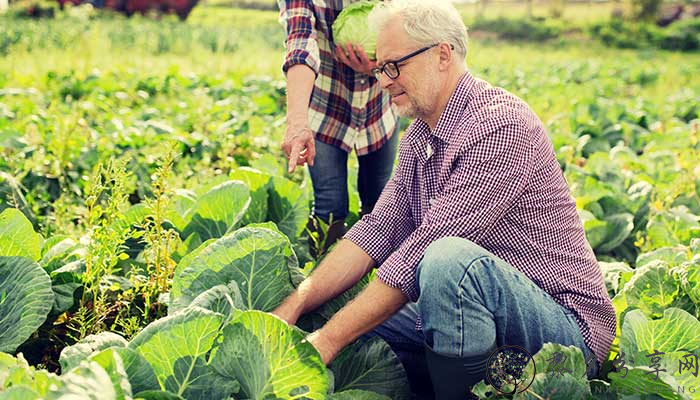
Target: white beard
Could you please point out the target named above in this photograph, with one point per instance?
(406, 110)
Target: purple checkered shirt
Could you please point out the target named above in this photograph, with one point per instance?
(488, 173)
(347, 109)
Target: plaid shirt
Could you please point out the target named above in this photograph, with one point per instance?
(347, 109)
(488, 173)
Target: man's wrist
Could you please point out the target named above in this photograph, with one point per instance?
(291, 309)
(325, 344)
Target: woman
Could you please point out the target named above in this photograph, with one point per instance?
(334, 105)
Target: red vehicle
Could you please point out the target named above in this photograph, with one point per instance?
(180, 7)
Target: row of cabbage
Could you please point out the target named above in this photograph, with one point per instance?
(217, 340)
(231, 263)
(634, 175)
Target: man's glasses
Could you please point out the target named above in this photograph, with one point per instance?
(391, 68)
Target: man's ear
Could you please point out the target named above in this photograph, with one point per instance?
(446, 54)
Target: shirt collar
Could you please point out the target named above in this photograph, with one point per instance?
(419, 132)
(450, 117)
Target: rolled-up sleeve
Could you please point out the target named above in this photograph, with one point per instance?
(387, 226)
(297, 18)
(485, 183)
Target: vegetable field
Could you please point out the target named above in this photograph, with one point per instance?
(147, 223)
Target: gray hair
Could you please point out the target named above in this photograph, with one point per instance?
(426, 22)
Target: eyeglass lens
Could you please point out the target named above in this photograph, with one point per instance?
(391, 69)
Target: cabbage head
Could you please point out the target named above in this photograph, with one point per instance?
(351, 27)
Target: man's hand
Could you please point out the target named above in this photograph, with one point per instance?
(299, 146)
(324, 347)
(355, 58)
(374, 305)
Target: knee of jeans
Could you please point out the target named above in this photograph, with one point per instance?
(329, 183)
(333, 202)
(443, 262)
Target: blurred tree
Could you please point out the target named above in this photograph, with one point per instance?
(645, 10)
(556, 8)
(482, 7)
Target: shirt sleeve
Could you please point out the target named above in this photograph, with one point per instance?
(298, 19)
(486, 181)
(387, 226)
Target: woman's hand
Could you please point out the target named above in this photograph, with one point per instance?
(299, 146)
(354, 57)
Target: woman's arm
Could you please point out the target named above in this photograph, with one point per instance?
(298, 143)
(301, 67)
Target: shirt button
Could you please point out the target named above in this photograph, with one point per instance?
(363, 81)
(428, 150)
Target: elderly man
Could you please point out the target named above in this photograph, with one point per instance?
(476, 236)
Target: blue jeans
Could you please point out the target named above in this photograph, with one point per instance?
(471, 302)
(329, 177)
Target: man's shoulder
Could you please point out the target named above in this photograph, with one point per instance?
(490, 109)
(493, 102)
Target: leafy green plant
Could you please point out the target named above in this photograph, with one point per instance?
(318, 236)
(106, 200)
(160, 241)
(217, 211)
(288, 206)
(25, 300)
(680, 36)
(519, 28)
(252, 355)
(258, 259)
